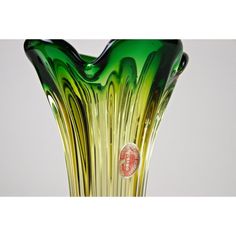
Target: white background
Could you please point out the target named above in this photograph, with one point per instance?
(123, 19)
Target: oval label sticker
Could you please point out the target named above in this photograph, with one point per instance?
(129, 160)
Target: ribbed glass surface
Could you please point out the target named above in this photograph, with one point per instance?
(108, 104)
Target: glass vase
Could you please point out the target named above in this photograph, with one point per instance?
(108, 109)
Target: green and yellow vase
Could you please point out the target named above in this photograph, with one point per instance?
(108, 109)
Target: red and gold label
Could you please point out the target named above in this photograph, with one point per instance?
(129, 159)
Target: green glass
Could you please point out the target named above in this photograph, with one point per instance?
(108, 104)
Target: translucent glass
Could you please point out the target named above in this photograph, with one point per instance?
(108, 108)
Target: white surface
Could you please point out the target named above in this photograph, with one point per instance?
(121, 216)
(195, 151)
